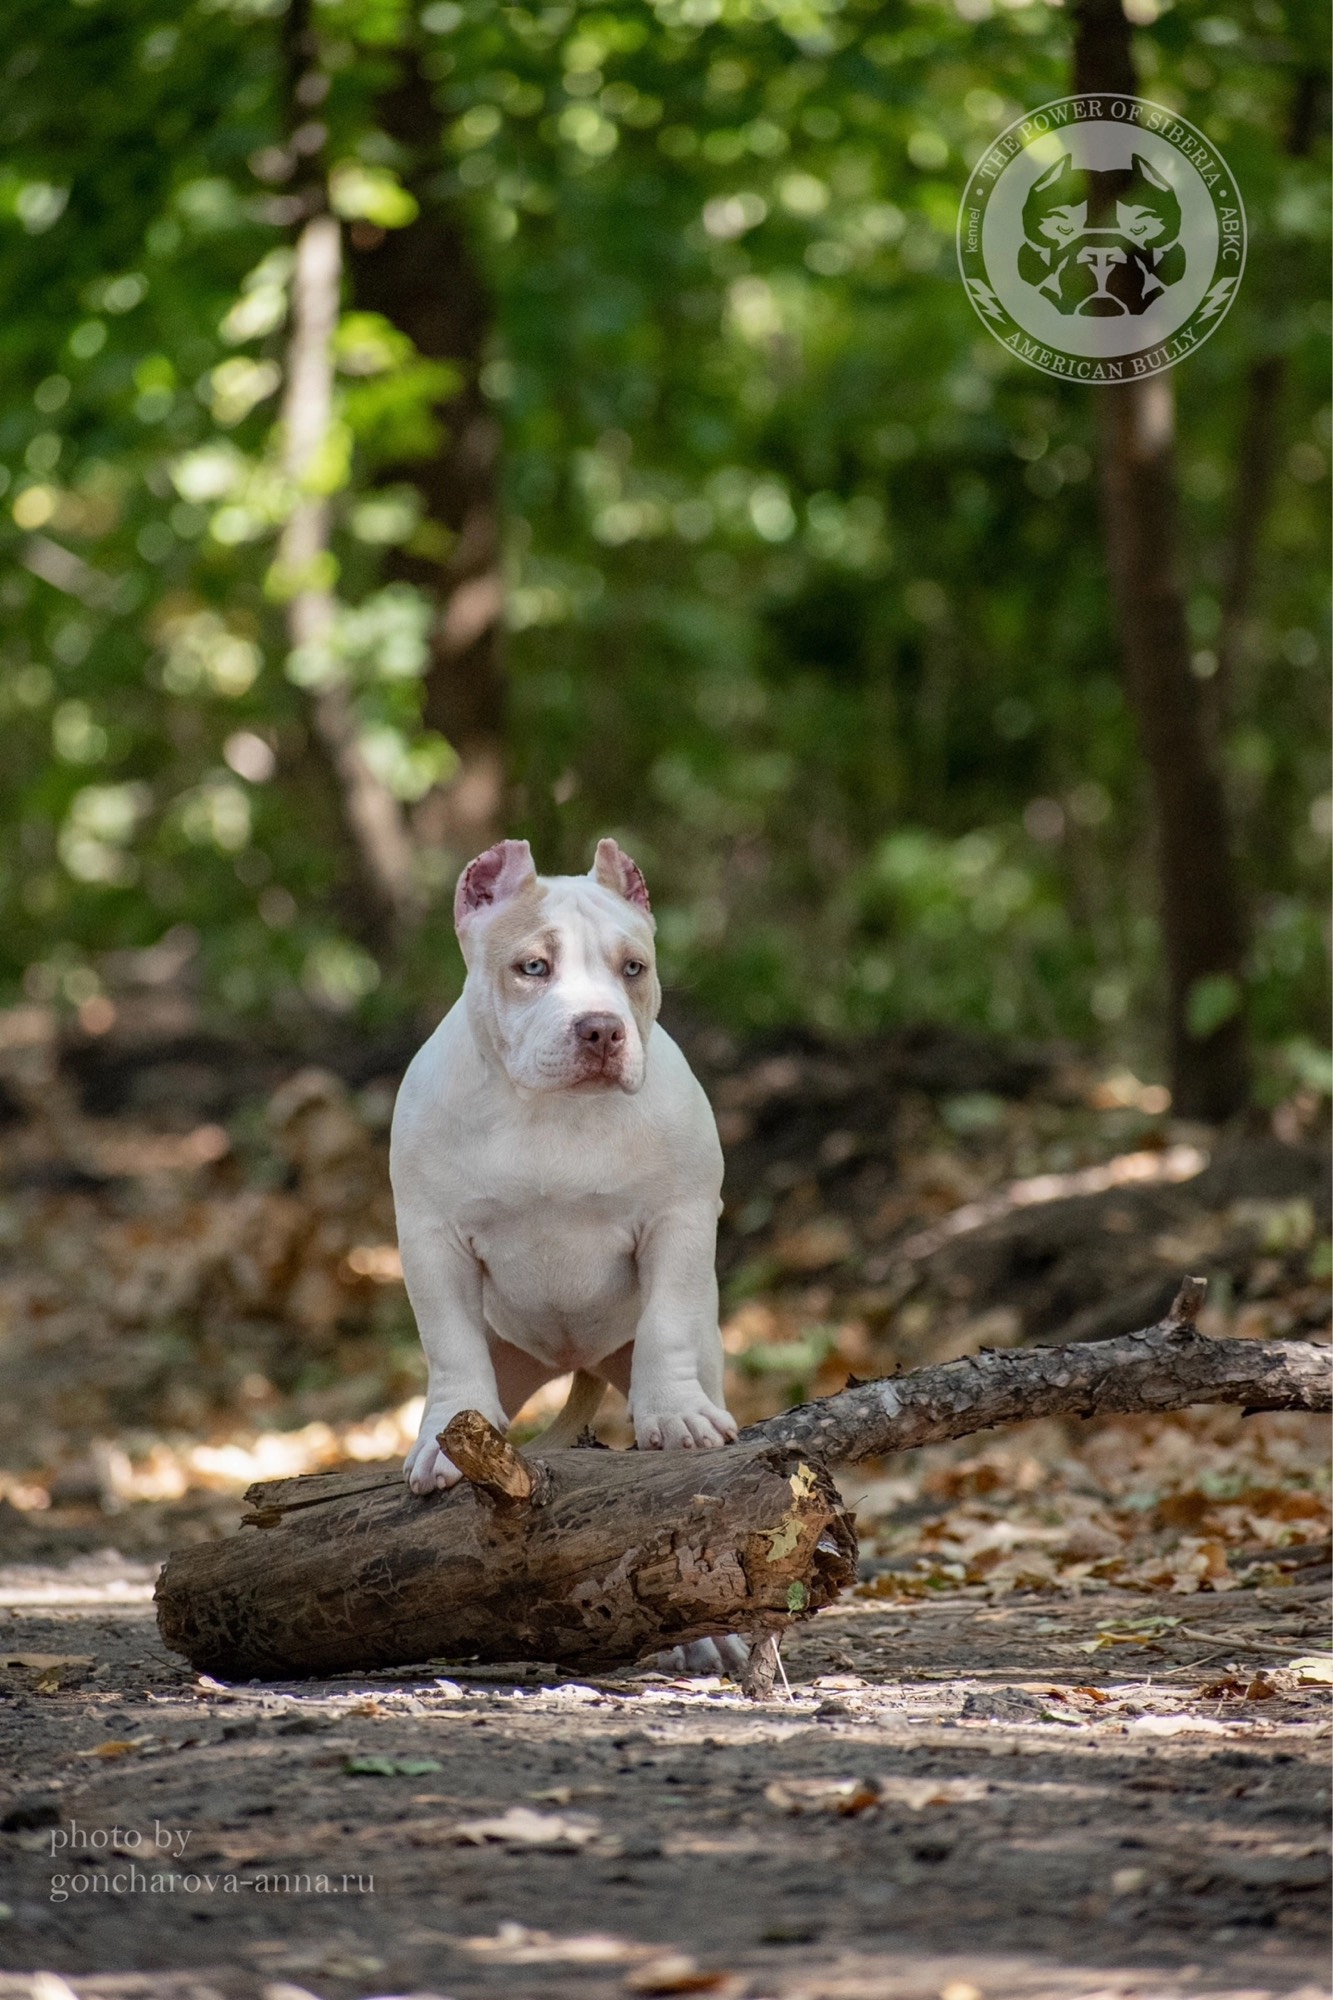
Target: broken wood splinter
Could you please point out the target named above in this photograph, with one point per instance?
(486, 1459)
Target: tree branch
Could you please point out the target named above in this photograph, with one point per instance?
(1165, 1367)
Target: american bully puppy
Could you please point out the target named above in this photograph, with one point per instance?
(557, 1172)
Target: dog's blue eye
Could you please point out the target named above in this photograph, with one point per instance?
(535, 968)
(633, 967)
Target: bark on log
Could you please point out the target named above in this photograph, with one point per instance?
(615, 1556)
(596, 1558)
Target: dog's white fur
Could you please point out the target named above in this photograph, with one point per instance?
(556, 1168)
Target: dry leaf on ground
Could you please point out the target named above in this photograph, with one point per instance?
(676, 1972)
(843, 1796)
(45, 1663)
(918, 1793)
(521, 1827)
(516, 1944)
(390, 1767)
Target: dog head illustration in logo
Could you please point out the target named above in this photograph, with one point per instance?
(1101, 244)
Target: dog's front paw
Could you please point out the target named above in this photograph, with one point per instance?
(427, 1468)
(686, 1423)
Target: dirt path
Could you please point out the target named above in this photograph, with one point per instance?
(955, 1813)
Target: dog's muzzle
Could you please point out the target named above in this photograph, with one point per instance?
(600, 1044)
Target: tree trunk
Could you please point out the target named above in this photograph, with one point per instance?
(1260, 441)
(425, 279)
(1256, 463)
(595, 1558)
(1203, 926)
(372, 814)
(374, 817)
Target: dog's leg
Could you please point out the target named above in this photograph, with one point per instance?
(676, 1373)
(517, 1375)
(581, 1406)
(444, 1285)
(683, 1287)
(520, 1375)
(615, 1368)
(725, 1653)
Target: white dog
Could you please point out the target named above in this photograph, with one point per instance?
(557, 1172)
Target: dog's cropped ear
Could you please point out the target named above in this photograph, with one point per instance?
(495, 877)
(1055, 172)
(1150, 173)
(614, 870)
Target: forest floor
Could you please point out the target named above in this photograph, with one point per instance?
(1067, 1736)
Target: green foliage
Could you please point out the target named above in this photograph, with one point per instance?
(807, 597)
(1211, 1002)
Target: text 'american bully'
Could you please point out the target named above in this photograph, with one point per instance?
(557, 1172)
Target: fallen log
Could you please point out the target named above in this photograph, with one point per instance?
(593, 1559)
(605, 1557)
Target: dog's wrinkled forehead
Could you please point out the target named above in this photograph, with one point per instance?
(502, 903)
(575, 904)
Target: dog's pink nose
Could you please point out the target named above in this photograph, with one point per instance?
(600, 1031)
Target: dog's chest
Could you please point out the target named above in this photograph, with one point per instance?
(555, 1261)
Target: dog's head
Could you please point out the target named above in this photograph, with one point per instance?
(562, 983)
(1096, 242)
